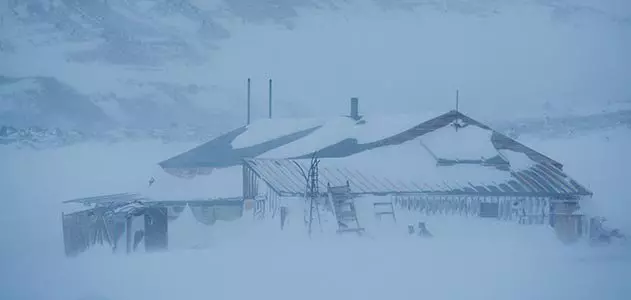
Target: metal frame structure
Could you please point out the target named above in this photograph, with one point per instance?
(531, 196)
(530, 210)
(107, 218)
(283, 176)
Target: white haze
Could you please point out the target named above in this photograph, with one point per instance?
(506, 65)
(469, 258)
(509, 59)
(518, 59)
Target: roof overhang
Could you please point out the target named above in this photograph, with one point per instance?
(287, 179)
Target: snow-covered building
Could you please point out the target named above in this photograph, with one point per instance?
(451, 153)
(418, 160)
(449, 157)
(445, 163)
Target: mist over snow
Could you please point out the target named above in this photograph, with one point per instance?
(553, 72)
(601, 160)
(156, 63)
(467, 258)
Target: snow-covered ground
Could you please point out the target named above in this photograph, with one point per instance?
(468, 258)
(150, 64)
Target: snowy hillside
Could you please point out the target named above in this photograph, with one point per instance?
(45, 102)
(155, 63)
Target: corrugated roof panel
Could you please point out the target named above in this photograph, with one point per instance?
(526, 182)
(481, 189)
(541, 181)
(578, 186)
(559, 181)
(328, 177)
(517, 187)
(359, 181)
(493, 188)
(506, 188)
(470, 190)
(292, 178)
(285, 177)
(278, 183)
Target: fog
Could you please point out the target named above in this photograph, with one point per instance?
(467, 258)
(508, 60)
(519, 60)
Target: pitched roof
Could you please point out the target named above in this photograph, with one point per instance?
(343, 137)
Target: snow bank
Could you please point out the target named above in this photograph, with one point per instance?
(187, 233)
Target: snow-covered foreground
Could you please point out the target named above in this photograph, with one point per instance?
(468, 258)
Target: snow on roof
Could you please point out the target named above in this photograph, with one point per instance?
(268, 129)
(517, 160)
(222, 184)
(375, 128)
(468, 143)
(331, 132)
(407, 168)
(327, 132)
(410, 160)
(345, 137)
(367, 130)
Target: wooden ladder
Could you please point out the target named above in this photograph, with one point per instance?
(344, 209)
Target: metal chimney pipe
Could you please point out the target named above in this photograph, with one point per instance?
(249, 83)
(270, 99)
(355, 108)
